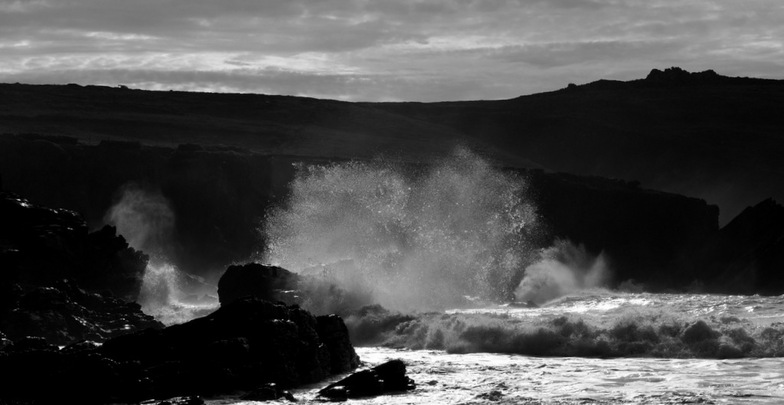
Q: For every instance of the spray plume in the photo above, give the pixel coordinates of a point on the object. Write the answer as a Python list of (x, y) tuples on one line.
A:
[(561, 270), (146, 220), (411, 240)]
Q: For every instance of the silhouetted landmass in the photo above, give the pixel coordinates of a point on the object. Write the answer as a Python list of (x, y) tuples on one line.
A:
[(699, 134), (747, 254), (241, 346), (646, 235), (223, 159)]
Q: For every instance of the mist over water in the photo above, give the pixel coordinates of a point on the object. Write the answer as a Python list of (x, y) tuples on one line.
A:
[(409, 238), (145, 219), (562, 269)]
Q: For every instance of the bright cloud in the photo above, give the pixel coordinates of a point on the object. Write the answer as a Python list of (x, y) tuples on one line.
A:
[(382, 49)]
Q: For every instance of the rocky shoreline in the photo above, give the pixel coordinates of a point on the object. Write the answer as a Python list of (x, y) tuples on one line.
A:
[(95, 347)]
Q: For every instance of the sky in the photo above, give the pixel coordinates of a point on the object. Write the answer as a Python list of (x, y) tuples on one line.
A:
[(383, 50)]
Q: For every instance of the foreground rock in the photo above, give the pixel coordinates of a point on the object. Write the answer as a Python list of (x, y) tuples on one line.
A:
[(386, 378), (317, 289), (64, 313), (257, 280), (41, 245), (239, 347), (51, 269)]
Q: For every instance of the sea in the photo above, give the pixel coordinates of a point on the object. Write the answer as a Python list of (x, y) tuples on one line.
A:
[(424, 245), (632, 348)]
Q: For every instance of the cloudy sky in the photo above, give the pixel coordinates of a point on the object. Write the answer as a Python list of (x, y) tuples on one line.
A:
[(419, 50)]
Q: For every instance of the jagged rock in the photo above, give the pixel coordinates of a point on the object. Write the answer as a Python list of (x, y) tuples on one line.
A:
[(334, 334), (111, 264), (746, 256), (371, 324), (189, 400), (255, 280), (256, 340), (41, 245), (242, 345), (268, 392), (37, 244), (383, 379), (5, 342), (64, 314), (33, 343), (675, 76)]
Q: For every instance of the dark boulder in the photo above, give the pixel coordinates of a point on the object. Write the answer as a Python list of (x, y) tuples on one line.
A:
[(372, 324), (41, 245), (111, 264), (268, 392), (333, 332), (256, 280), (385, 378), (64, 313), (242, 345)]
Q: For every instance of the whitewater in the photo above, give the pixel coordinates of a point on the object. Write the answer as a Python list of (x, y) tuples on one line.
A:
[(443, 267), (684, 369)]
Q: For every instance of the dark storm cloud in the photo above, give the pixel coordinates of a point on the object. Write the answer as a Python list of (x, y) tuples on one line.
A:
[(384, 49)]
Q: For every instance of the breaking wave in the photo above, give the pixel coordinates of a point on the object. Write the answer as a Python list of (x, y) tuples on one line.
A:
[(415, 238), (591, 325)]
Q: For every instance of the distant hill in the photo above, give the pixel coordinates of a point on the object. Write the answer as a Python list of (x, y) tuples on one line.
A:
[(698, 134)]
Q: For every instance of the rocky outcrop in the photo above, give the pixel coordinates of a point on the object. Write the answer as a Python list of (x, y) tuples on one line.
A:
[(41, 245), (64, 313), (747, 255), (47, 257), (269, 392), (241, 346), (675, 76), (383, 379), (256, 280)]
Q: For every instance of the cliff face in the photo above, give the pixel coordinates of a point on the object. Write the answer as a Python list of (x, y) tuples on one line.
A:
[(747, 255), (698, 134), (646, 235), (219, 197)]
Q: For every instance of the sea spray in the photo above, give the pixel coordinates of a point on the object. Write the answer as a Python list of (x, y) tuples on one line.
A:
[(562, 269), (145, 219), (172, 296), (418, 239)]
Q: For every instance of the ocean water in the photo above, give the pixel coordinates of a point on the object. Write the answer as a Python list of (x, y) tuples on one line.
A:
[(440, 246), (673, 362)]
